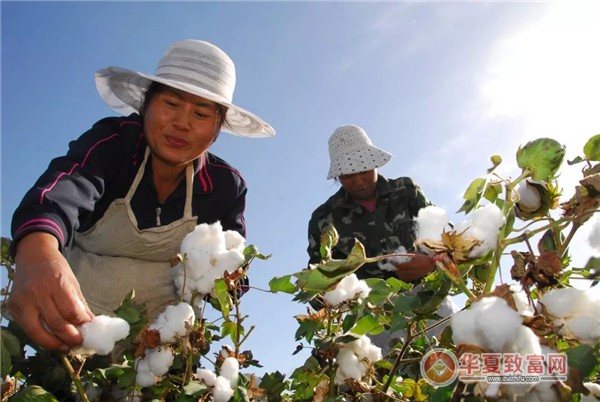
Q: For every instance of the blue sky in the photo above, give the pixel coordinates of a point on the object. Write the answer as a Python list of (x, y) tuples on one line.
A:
[(440, 85)]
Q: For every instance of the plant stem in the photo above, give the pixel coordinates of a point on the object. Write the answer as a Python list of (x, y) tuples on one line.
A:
[(75, 377)]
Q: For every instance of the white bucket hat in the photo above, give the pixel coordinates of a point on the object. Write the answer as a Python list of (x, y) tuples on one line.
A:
[(351, 151), (194, 66)]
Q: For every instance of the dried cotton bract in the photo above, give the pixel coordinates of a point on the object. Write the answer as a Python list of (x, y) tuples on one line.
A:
[(346, 290), (100, 334), (354, 358), (575, 312), (209, 252)]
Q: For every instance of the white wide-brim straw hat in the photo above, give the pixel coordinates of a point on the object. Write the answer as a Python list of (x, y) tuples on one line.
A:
[(351, 151), (193, 66)]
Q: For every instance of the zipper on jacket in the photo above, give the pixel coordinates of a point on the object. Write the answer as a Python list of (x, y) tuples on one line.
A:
[(158, 211)]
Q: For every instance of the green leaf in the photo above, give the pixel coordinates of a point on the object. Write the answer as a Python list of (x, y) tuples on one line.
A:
[(591, 149), (10, 348), (282, 284), (229, 328), (127, 378), (542, 157), (251, 251), (582, 358), (473, 194), (33, 393), (367, 325), (223, 297)]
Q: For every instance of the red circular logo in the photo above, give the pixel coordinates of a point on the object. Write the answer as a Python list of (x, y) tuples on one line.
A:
[(439, 367)]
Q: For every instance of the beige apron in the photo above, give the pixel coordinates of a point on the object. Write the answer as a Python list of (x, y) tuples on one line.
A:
[(114, 256)]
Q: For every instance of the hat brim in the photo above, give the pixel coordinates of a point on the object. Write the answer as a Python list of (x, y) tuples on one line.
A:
[(123, 91), (356, 162)]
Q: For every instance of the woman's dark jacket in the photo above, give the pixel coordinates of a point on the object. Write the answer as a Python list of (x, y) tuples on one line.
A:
[(76, 189)]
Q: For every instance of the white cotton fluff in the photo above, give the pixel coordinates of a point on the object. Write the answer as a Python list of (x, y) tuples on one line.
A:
[(144, 376), (221, 387), (347, 289), (172, 322), (594, 394), (529, 198), (496, 328), (431, 222), (230, 369), (222, 392), (351, 358), (522, 303), (484, 225), (490, 324), (159, 360), (209, 253), (153, 366), (209, 377), (100, 334), (594, 236), (575, 311)]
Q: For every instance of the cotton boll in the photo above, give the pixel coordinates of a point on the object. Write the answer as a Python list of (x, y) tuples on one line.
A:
[(489, 219), (464, 328), (347, 289), (100, 334), (585, 328), (541, 392), (431, 222), (230, 369), (234, 240), (496, 322), (144, 377), (222, 392), (565, 302), (594, 394), (207, 376), (522, 303), (159, 360), (529, 199), (349, 365)]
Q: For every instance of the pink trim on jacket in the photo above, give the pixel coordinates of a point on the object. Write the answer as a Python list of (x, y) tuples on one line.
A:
[(43, 223)]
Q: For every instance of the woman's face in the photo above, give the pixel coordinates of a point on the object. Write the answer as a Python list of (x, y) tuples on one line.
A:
[(179, 126), (361, 186)]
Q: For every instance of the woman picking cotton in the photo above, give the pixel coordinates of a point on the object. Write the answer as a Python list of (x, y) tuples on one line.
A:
[(108, 216)]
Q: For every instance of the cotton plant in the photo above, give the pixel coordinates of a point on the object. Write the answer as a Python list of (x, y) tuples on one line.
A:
[(100, 335), (354, 359), (208, 253), (574, 312), (224, 384), (155, 363), (490, 325), (347, 289), (174, 322)]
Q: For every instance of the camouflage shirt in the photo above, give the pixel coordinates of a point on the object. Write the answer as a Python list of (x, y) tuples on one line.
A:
[(381, 232)]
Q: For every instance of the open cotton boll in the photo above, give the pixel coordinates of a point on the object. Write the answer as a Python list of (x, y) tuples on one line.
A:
[(347, 289), (496, 322), (529, 198), (566, 302), (100, 334), (349, 366), (234, 240), (522, 303), (364, 349), (172, 322), (230, 369), (143, 376), (594, 394), (585, 328), (209, 377), (464, 328), (431, 222), (159, 360), (222, 391)]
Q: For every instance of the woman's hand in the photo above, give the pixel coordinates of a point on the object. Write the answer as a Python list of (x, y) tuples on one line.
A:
[(418, 266), (46, 300)]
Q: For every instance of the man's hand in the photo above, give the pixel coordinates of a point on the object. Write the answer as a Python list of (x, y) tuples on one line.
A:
[(46, 300), (419, 266)]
